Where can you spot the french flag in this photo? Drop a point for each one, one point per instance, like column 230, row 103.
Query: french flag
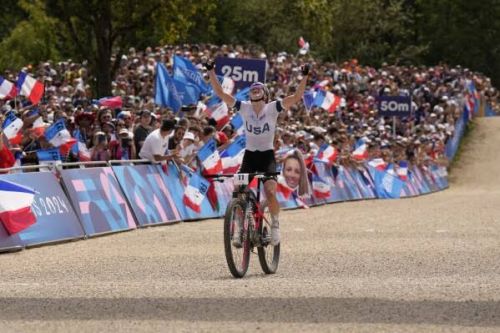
column 59, row 136
column 7, row 89
column 220, row 113
column 12, row 126
column 29, row 87
column 326, row 154
column 233, row 155
column 378, row 163
column 327, row 101
column 15, row 206
column 321, row 189
column 195, row 191
column 80, row 148
column 209, row 157
column 283, row 188
column 403, row 170
column 237, row 123
column 39, row 125
column 360, row 153
column 114, row 102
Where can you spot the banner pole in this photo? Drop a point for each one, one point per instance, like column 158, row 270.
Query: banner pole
column 394, row 127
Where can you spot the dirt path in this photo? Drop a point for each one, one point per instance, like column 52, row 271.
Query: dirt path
column 414, row 265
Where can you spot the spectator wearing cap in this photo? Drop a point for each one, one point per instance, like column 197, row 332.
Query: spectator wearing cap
column 142, row 130
column 155, row 147
column 187, row 149
column 126, row 117
column 123, row 148
column 100, row 149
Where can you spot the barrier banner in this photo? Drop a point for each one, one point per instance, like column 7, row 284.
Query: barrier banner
column 9, row 243
column 440, row 176
column 452, row 144
column 224, row 192
column 326, row 173
column 55, row 217
column 98, row 200
column 429, row 177
column 364, row 182
column 387, row 184
column 145, row 187
column 352, row 186
column 409, row 188
column 174, row 182
column 419, row 180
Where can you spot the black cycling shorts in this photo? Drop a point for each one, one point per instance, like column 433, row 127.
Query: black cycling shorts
column 258, row 161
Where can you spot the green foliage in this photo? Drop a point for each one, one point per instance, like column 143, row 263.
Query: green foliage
column 32, row 40
column 404, row 31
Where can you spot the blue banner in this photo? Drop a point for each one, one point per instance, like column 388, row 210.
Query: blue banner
column 186, row 72
column 177, row 183
column 147, row 190
column 243, row 72
column 98, row 200
column 365, row 183
column 166, row 94
column 387, row 185
column 55, row 217
column 394, row 106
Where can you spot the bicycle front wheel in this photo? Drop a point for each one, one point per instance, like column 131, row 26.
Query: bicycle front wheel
column 237, row 257
column 269, row 256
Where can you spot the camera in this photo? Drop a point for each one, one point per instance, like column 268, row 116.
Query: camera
column 126, row 142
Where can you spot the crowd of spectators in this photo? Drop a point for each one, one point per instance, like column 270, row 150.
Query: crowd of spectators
column 437, row 92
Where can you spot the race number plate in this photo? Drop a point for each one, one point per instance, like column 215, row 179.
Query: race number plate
column 240, row 179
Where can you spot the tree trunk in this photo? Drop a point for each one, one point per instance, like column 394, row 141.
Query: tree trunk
column 104, row 47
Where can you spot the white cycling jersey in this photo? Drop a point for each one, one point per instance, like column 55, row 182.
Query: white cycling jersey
column 259, row 130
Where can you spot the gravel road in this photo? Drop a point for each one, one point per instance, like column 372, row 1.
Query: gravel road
column 425, row 264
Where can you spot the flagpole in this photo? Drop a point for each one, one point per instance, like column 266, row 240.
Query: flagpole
column 394, row 127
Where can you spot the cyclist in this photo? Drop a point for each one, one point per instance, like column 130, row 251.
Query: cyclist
column 260, row 117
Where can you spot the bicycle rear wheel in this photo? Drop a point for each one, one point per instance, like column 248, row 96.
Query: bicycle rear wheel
column 269, row 256
column 237, row 258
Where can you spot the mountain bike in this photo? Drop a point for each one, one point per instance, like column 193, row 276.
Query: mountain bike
column 245, row 211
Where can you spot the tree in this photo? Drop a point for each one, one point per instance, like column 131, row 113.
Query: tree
column 97, row 29
column 32, row 39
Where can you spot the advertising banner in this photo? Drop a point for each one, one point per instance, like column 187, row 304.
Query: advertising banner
column 55, row 217
column 9, row 243
column 176, row 183
column 98, row 200
column 452, row 144
column 224, row 192
column 364, row 182
column 429, row 177
column 419, row 180
column 352, row 187
column 145, row 187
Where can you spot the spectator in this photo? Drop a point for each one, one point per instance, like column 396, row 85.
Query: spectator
column 155, row 147
column 142, row 130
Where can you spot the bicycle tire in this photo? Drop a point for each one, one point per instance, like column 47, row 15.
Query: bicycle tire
column 237, row 266
column 269, row 256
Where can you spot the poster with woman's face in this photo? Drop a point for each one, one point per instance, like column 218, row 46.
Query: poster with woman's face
column 294, row 173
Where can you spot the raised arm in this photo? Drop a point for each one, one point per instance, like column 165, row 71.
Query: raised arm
column 214, row 82
column 295, row 98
